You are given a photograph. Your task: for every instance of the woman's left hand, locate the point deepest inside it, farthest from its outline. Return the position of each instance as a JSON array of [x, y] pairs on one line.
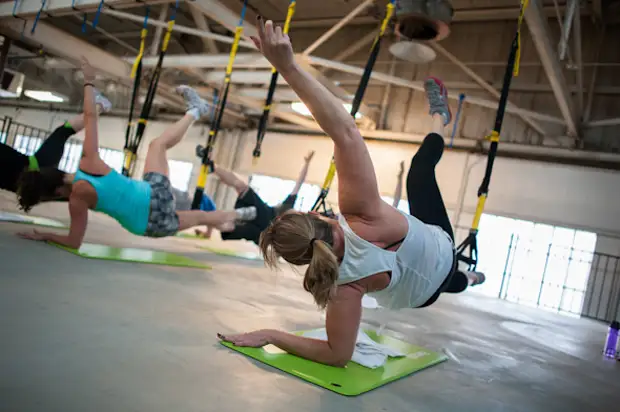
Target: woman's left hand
[[34, 235], [256, 339]]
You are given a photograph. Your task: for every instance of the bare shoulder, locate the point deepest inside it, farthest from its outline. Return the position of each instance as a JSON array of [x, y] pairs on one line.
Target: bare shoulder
[[387, 226], [84, 191], [94, 165]]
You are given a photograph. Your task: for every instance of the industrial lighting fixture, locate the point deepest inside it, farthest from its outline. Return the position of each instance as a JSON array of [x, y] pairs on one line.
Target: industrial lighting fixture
[[301, 108], [44, 96]]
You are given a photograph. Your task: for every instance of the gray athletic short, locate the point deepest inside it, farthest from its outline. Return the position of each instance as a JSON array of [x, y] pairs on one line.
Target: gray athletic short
[[163, 219]]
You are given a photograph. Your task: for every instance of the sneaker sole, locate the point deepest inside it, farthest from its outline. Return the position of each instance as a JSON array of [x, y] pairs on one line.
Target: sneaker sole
[[435, 82]]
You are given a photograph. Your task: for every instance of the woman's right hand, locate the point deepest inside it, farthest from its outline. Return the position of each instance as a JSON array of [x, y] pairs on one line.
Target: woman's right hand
[[274, 45], [87, 70]]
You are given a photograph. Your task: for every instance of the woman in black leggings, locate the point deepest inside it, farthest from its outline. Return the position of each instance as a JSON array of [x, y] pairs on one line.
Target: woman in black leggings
[[402, 260], [17, 169]]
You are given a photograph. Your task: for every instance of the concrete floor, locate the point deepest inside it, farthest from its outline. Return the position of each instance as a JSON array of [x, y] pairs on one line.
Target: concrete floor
[[85, 335]]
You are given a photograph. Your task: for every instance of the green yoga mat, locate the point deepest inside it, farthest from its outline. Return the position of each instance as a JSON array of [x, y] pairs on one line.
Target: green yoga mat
[[233, 253], [29, 220], [354, 379], [91, 251]]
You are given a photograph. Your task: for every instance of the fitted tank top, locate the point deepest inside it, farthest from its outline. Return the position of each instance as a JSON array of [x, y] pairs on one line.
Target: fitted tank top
[[418, 268], [124, 199]]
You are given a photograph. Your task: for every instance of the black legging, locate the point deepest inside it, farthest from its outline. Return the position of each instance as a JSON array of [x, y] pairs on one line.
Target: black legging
[[426, 203], [50, 152]]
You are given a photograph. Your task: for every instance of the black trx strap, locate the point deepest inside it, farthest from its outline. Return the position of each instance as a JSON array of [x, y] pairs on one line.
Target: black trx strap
[[262, 125], [136, 73], [131, 147], [357, 101], [205, 153], [467, 251]]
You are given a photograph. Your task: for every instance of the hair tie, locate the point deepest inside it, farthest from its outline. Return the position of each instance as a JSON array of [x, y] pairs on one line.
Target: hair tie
[[312, 241]]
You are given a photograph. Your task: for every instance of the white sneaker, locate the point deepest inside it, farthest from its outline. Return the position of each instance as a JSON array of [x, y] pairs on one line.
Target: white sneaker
[[193, 100], [102, 102]]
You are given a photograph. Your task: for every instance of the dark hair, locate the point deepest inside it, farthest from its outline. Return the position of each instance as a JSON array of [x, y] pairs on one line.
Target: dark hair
[[303, 239], [35, 186]]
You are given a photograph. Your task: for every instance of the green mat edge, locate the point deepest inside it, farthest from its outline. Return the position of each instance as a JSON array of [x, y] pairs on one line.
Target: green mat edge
[[55, 225], [76, 252], [441, 358]]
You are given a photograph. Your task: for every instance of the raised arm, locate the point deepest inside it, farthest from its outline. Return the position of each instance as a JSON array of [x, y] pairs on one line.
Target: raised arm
[[304, 172], [91, 136], [357, 189], [398, 192]]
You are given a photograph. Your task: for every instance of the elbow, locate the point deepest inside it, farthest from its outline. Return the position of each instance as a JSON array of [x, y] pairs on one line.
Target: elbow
[[339, 360], [74, 244]]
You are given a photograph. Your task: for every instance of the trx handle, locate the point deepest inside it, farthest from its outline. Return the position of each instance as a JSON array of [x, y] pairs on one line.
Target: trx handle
[[470, 244], [273, 83], [207, 163], [357, 101]]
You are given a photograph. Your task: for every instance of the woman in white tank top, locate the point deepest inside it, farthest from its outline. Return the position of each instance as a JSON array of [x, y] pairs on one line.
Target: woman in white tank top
[[404, 261]]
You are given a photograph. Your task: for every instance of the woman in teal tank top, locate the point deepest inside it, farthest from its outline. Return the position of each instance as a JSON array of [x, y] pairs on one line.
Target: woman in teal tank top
[[143, 207]]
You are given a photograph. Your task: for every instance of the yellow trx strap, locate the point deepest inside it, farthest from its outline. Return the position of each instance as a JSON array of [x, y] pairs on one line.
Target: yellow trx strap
[[134, 69], [206, 155], [262, 125], [524, 4], [331, 173]]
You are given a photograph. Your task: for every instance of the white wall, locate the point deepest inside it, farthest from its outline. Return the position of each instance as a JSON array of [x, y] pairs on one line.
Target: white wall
[[573, 196], [576, 197]]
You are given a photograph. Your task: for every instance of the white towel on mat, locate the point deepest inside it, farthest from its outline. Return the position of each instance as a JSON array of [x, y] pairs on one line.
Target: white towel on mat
[[367, 352]]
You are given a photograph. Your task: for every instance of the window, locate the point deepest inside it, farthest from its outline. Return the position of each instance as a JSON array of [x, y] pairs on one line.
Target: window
[[180, 174], [26, 145], [403, 205], [274, 190], [113, 158], [535, 264], [70, 160]]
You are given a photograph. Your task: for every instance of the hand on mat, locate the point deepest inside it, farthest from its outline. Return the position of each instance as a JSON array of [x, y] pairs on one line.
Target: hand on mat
[[309, 156], [34, 235], [256, 339], [274, 45], [87, 70]]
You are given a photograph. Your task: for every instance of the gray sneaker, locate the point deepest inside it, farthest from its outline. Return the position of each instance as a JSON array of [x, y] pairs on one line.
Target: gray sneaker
[[102, 101], [437, 95], [246, 214], [193, 100]]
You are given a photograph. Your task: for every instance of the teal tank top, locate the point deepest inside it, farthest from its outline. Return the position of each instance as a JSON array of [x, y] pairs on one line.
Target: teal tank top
[[126, 200]]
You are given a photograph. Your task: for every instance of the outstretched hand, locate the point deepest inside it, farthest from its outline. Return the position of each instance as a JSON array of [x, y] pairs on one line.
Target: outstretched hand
[[274, 45], [87, 70], [34, 235], [256, 339]]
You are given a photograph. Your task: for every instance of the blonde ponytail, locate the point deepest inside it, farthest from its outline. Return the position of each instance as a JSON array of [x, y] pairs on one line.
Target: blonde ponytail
[[322, 273], [303, 239]]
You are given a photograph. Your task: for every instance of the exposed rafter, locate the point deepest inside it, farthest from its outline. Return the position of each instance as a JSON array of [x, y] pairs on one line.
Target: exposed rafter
[[201, 22], [480, 81], [539, 29], [336, 27]]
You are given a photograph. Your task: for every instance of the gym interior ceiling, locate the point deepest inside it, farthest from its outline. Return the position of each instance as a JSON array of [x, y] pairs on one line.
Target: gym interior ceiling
[[563, 106]]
